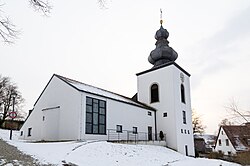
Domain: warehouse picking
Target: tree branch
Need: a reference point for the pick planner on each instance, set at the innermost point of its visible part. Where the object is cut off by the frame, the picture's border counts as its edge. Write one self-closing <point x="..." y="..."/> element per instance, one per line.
<point x="8" y="31"/>
<point x="40" y="5"/>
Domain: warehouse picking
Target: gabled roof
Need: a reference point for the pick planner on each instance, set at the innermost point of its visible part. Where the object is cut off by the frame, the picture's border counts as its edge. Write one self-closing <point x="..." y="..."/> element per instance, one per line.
<point x="99" y="92"/>
<point x="238" y="136"/>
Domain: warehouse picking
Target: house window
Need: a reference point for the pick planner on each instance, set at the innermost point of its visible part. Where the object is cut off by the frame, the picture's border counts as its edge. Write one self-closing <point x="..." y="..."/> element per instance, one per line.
<point x="229" y="153"/>
<point x="248" y="141"/>
<point x="154" y="93"/>
<point x="134" y="130"/>
<point x="182" y="94"/>
<point x="119" y="128"/>
<point x="95" y="116"/>
<point x="21" y="134"/>
<point x="43" y="118"/>
<point x="149" y="113"/>
<point x="219" y="142"/>
<point x="185" y="131"/>
<point x="165" y="114"/>
<point x="221" y="132"/>
<point x="188" y="132"/>
<point x="227" y="142"/>
<point x="184" y="117"/>
<point x="29" y="132"/>
<point x="181" y="130"/>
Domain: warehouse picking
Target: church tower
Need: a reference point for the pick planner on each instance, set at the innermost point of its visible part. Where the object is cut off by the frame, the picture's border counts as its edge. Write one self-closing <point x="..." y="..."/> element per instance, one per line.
<point x="166" y="88"/>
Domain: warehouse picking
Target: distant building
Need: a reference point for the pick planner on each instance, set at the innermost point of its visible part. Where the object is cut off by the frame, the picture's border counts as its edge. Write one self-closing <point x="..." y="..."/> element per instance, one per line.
<point x="71" y="110"/>
<point x="12" y="124"/>
<point x="204" y="143"/>
<point x="233" y="139"/>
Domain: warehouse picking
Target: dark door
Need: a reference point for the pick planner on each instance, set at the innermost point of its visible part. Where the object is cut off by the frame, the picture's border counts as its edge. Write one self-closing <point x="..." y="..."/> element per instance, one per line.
<point x="149" y="133"/>
<point x="186" y="149"/>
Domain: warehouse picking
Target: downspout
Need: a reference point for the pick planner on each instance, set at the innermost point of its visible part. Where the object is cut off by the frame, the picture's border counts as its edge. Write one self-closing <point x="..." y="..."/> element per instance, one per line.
<point x="155" y="127"/>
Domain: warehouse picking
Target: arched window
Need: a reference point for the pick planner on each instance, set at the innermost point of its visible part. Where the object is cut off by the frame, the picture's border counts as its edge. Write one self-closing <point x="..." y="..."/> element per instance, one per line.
<point x="154" y="93"/>
<point x="182" y="94"/>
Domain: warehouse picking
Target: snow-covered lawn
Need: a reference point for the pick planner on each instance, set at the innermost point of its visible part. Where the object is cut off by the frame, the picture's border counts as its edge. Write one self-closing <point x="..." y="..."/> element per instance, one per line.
<point x="101" y="153"/>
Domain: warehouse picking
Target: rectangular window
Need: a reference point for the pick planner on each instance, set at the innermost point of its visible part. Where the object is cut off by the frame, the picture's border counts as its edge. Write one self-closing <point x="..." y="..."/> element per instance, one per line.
<point x="229" y="153"/>
<point x="119" y="128"/>
<point x="165" y="114"/>
<point x="21" y="134"/>
<point x="149" y="113"/>
<point x="29" y="132"/>
<point x="221" y="132"/>
<point x="219" y="142"/>
<point x="181" y="130"/>
<point x="95" y="116"/>
<point x="134" y="130"/>
<point x="227" y="142"/>
<point x="184" y="117"/>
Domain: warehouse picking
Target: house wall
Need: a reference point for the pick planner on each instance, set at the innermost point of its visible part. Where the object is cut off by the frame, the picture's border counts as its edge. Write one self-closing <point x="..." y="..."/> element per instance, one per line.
<point x="223" y="147"/>
<point x="119" y="113"/>
<point x="58" y="123"/>
<point x="169" y="82"/>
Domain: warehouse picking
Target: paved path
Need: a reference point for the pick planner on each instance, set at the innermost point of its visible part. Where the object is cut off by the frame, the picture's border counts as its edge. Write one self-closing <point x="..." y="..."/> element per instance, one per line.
<point x="11" y="156"/>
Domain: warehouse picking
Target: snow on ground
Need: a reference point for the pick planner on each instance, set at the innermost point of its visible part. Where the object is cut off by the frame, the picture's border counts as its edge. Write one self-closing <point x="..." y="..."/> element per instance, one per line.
<point x="101" y="153"/>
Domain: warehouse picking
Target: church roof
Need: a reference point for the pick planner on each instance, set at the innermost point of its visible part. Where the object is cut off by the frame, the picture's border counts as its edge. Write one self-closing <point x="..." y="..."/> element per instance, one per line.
<point x="99" y="92"/>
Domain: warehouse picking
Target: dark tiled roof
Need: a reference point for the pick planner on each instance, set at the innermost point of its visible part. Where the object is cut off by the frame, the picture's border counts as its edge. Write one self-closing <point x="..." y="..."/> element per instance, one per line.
<point x="238" y="136"/>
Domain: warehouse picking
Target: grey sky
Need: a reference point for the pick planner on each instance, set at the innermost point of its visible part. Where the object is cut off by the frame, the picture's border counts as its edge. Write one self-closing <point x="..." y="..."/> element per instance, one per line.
<point x="106" y="48"/>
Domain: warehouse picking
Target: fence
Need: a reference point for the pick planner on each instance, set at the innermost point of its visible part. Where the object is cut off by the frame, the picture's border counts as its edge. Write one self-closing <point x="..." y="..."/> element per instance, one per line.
<point x="126" y="135"/>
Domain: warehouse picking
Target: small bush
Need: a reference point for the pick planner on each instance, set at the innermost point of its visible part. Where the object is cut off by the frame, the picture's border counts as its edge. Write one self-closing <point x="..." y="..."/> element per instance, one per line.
<point x="243" y="158"/>
<point x="215" y="155"/>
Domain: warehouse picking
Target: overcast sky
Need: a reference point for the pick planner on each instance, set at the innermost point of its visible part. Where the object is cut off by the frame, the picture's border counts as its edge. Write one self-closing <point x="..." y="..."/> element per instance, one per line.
<point x="107" y="47"/>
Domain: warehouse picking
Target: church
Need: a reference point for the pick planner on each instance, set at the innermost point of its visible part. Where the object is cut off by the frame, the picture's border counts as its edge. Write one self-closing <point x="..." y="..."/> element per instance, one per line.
<point x="161" y="109"/>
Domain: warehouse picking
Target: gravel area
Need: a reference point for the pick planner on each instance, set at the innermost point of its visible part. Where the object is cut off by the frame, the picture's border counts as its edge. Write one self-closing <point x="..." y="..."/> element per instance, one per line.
<point x="11" y="156"/>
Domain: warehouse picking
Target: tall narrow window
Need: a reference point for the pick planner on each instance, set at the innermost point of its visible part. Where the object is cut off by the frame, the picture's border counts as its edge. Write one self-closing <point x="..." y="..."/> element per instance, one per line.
<point x="227" y="142"/>
<point x="182" y="94"/>
<point x="219" y="142"/>
<point x="184" y="117"/>
<point x="154" y="93"/>
<point x="29" y="132"/>
<point x="95" y="116"/>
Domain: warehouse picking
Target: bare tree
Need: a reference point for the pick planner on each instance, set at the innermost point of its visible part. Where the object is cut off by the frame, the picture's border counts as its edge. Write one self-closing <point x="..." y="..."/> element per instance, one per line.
<point x="9" y="32"/>
<point x="7" y="88"/>
<point x="198" y="127"/>
<point x="236" y="114"/>
<point x="225" y="122"/>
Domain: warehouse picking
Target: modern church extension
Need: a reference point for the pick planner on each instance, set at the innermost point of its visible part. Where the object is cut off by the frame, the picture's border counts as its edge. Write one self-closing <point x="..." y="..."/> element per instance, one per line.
<point x="71" y="110"/>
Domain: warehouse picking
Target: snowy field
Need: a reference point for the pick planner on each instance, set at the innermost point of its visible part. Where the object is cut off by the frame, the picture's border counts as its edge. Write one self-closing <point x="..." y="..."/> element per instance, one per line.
<point x="101" y="153"/>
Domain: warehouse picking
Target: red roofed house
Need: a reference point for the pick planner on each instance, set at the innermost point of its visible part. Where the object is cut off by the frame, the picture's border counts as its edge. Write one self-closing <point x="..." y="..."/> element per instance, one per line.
<point x="233" y="139"/>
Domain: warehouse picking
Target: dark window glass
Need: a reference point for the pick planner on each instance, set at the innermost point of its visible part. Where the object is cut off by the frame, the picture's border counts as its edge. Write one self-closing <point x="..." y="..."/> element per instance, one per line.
<point x="89" y="101"/>
<point x="101" y="119"/>
<point x="88" y="117"/>
<point x="21" y="134"/>
<point x="95" y="116"/>
<point x="181" y="130"/>
<point x="134" y="130"/>
<point x="227" y="142"/>
<point x="102" y="129"/>
<point x="182" y="94"/>
<point x="184" y="117"/>
<point x="149" y="113"/>
<point x="29" y="131"/>
<point x="154" y="93"/>
<point x="88" y="108"/>
<point x="219" y="142"/>
<point x="119" y="128"/>
<point x="165" y="114"/>
<point x="88" y="128"/>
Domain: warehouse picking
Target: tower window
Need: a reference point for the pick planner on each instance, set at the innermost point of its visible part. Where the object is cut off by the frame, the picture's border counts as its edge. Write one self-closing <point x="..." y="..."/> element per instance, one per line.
<point x="154" y="93"/>
<point x="184" y="117"/>
<point x="182" y="94"/>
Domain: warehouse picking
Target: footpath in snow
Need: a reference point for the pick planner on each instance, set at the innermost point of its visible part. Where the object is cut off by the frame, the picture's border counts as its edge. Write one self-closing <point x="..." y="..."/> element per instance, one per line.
<point x="101" y="153"/>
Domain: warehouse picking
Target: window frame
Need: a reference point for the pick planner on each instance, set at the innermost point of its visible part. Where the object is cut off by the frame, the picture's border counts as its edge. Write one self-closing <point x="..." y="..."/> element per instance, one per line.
<point x="29" y="131"/>
<point x="165" y="114"/>
<point x="154" y="93"/>
<point x="219" y="142"/>
<point x="184" y="117"/>
<point x="119" y="128"/>
<point x="135" y="130"/>
<point x="227" y="142"/>
<point x="96" y="113"/>
<point x="183" y="96"/>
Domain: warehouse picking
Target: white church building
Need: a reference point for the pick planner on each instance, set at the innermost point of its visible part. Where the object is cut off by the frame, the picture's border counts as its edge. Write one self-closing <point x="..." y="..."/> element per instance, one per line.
<point x="71" y="110"/>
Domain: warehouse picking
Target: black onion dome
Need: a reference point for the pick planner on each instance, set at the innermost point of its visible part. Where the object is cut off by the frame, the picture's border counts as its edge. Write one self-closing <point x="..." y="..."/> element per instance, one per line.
<point x="162" y="53"/>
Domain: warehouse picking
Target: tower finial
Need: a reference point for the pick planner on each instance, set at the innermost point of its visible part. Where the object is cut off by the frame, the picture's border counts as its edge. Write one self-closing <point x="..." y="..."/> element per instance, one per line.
<point x="161" y="21"/>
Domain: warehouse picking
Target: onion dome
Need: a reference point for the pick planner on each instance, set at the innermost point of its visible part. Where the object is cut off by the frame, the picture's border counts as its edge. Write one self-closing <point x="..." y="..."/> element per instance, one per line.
<point x="162" y="53"/>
